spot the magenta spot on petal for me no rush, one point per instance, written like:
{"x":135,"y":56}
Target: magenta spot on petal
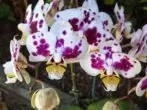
{"x":123,"y":64}
{"x":34,"y":37}
{"x":93,"y":56}
{"x":41,"y":22}
{"x":64,"y":32}
{"x":105,"y":23}
{"x":42,"y":49}
{"x":91,"y":35}
{"x":35,"y":43}
{"x":34,"y":54}
{"x":97,"y":63}
{"x":94,"y":13}
{"x":42,"y":41}
{"x":72,"y":52}
{"x":58,"y":16}
{"x":74,"y":23}
{"x":144,"y":85}
{"x":59,"y":43}
{"x":36,"y":15}
{"x":33,"y":27}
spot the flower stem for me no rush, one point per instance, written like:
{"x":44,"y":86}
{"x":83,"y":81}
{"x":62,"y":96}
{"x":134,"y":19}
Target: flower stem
{"x":73,"y":78}
{"x":126,"y":45}
{"x":93,"y":87}
{"x":74,"y":90}
{"x":121,"y":98}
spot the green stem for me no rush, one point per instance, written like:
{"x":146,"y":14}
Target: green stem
{"x":74,"y":89}
{"x":73,"y":78}
{"x":93,"y":87}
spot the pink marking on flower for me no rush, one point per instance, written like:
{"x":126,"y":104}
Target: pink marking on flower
{"x":59,"y":43}
{"x":74,"y":23}
{"x":42,"y":49}
{"x":124,"y":65}
{"x":33,"y":27}
{"x":97,"y":63}
{"x":91,"y":35}
{"x":144,"y":85}
{"x":35,"y":42}
{"x":72,"y":52}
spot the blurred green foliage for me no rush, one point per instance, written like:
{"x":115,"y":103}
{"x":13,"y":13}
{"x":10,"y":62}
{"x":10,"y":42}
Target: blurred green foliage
{"x":6,"y":13}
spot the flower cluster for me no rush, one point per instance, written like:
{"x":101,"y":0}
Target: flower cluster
{"x":83,"y":34}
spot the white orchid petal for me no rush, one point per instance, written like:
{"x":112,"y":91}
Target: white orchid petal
{"x":106,"y":20}
{"x":93,"y":63}
{"x":68,"y":44}
{"x":125,"y":65}
{"x":8,"y":67}
{"x":28,"y":14}
{"x":119,"y":13}
{"x":90,"y":4}
{"x":110,"y":46}
{"x":40,"y":45}
{"x":38,"y":22}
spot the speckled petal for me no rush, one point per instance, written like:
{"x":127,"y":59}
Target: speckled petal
{"x":41,"y":45}
{"x":74,"y":16}
{"x":119,"y":13}
{"x":93,"y":63}
{"x":28,"y":14}
{"x":90,"y":4}
{"x":141,"y":86}
{"x":136,"y":37}
{"x":106,"y":20}
{"x":110,"y":46}
{"x":97,"y":35}
{"x":38,"y":22}
{"x":125,"y":65}
{"x":14,"y":49}
{"x":68,"y":44}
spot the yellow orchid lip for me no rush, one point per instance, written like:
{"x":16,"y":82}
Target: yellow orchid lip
{"x":112,"y":80}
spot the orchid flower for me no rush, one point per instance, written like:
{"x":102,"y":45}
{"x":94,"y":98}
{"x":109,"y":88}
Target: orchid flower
{"x":122,"y":28}
{"x":141,"y":88}
{"x":110,"y":59}
{"x":139,"y":44}
{"x":60,"y":46}
{"x":86,"y":19}
{"x":15,"y":68}
{"x":36,"y":20}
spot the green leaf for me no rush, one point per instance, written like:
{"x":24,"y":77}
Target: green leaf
{"x":109,"y":2}
{"x":98,"y":105}
{"x":123,"y":104}
{"x":143,"y":1}
{"x":48,"y":1}
{"x":70,"y":108}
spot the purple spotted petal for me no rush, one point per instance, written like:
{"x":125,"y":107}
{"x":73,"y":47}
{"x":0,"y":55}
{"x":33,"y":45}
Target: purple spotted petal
{"x":40,"y":45}
{"x":141,"y":86}
{"x":14,"y":49}
{"x":93,"y":63}
{"x":127,"y":66}
{"x":68,"y":45}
